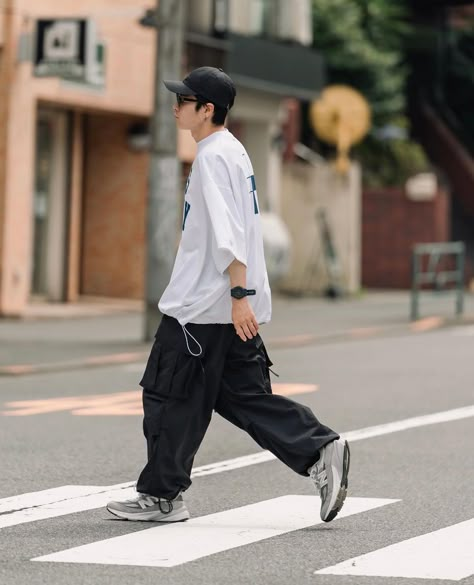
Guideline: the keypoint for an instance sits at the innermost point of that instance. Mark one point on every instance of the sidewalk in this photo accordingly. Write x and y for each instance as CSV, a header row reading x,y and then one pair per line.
x,y
94,332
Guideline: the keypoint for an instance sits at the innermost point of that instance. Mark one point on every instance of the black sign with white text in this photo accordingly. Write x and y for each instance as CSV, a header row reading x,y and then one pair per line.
x,y
60,48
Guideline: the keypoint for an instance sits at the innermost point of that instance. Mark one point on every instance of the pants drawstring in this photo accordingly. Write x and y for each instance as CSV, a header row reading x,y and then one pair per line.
x,y
186,333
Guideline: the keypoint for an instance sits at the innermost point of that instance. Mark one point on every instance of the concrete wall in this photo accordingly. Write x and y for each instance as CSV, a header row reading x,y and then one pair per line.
x,y
305,191
260,116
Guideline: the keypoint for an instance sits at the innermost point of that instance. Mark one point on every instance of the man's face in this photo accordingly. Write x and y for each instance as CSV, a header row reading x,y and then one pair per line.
x,y
185,113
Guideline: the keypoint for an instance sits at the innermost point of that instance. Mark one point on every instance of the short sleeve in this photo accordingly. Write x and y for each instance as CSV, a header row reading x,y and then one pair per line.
x,y
226,223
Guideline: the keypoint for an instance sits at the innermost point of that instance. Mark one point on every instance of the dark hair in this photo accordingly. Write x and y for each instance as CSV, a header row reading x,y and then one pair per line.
x,y
219,116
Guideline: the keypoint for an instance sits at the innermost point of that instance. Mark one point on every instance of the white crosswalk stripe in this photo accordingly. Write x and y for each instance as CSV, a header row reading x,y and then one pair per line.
x,y
70,499
67,500
443,554
174,544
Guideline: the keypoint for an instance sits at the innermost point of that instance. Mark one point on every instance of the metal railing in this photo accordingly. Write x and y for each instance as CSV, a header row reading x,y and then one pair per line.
x,y
434,275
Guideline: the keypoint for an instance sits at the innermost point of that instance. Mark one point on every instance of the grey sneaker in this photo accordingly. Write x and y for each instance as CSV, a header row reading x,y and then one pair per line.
x,y
150,509
329,475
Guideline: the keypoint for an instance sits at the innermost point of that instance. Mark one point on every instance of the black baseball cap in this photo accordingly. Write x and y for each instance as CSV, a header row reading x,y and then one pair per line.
x,y
208,84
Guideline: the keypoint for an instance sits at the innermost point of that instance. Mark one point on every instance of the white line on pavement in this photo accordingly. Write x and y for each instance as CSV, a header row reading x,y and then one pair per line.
x,y
69,499
174,544
51,496
442,554
410,423
67,505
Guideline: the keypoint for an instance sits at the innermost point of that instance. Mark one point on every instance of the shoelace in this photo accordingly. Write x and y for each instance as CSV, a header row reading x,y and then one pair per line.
x,y
146,501
319,476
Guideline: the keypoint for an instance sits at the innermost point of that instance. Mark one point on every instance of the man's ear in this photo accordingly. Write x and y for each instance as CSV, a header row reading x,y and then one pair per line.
x,y
210,108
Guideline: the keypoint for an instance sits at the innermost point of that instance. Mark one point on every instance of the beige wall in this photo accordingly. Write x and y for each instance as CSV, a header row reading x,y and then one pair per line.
x,y
305,190
16,191
4,105
260,115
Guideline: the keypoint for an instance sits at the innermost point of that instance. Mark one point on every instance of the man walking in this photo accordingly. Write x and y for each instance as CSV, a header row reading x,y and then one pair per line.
x,y
208,355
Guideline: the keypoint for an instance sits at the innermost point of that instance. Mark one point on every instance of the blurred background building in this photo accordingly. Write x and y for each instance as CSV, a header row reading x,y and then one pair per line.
x,y
74,135
73,177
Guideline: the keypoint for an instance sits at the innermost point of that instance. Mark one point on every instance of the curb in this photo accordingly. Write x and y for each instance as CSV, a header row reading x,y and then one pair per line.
x,y
294,341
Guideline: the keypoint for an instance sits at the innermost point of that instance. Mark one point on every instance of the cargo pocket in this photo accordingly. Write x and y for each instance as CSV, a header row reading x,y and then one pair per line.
x,y
187,373
169,374
151,370
265,364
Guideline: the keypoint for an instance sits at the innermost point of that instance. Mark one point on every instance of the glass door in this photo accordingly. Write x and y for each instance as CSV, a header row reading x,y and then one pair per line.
x,y
50,206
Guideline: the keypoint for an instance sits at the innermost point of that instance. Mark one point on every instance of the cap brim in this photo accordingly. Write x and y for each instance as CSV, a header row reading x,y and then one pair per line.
x,y
178,87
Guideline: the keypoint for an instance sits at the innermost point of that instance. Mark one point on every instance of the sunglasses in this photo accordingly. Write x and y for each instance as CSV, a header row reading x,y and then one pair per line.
x,y
181,99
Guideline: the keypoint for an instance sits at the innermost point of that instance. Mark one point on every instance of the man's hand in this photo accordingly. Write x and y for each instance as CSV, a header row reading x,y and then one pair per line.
x,y
244,320
243,317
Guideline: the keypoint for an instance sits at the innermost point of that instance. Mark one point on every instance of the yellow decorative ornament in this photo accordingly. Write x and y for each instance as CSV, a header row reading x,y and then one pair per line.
x,y
341,116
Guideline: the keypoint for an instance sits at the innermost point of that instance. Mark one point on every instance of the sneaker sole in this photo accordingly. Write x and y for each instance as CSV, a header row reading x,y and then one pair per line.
x,y
341,496
175,516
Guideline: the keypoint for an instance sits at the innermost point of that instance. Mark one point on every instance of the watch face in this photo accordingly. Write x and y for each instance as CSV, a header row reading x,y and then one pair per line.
x,y
238,292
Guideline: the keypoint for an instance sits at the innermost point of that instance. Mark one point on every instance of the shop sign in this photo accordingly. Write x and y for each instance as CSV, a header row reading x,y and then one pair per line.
x,y
68,48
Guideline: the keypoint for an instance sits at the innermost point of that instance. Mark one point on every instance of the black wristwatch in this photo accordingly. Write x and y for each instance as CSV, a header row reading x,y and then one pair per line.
x,y
239,292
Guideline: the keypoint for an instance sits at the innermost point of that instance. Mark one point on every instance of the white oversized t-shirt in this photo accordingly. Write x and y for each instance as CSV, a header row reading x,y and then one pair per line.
x,y
221,222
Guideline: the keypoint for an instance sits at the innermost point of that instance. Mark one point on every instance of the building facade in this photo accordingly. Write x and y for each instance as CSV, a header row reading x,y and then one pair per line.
x,y
73,168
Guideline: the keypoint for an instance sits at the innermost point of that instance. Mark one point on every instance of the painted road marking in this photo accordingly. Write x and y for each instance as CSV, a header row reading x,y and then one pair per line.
x,y
125,403
31,507
426,324
45,497
410,423
115,404
174,544
91,498
443,554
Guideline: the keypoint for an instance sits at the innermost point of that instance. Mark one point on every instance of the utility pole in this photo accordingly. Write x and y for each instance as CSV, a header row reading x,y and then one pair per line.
x,y
164,177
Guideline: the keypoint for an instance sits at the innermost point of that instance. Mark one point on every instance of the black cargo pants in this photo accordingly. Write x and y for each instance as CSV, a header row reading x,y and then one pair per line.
x,y
231,377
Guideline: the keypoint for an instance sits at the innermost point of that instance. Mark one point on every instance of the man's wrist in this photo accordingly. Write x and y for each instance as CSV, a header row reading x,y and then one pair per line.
x,y
239,292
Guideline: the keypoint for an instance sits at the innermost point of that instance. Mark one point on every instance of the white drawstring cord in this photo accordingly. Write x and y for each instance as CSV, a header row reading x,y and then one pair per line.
x,y
186,333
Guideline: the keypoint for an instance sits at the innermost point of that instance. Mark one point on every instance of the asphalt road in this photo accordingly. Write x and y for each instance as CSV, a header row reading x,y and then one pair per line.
x,y
47,441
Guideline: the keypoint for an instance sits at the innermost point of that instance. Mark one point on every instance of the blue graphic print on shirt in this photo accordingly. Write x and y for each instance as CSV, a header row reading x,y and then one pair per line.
x,y
187,206
253,190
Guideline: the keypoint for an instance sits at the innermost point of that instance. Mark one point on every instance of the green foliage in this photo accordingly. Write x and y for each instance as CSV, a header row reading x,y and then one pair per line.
x,y
364,44
362,41
390,162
